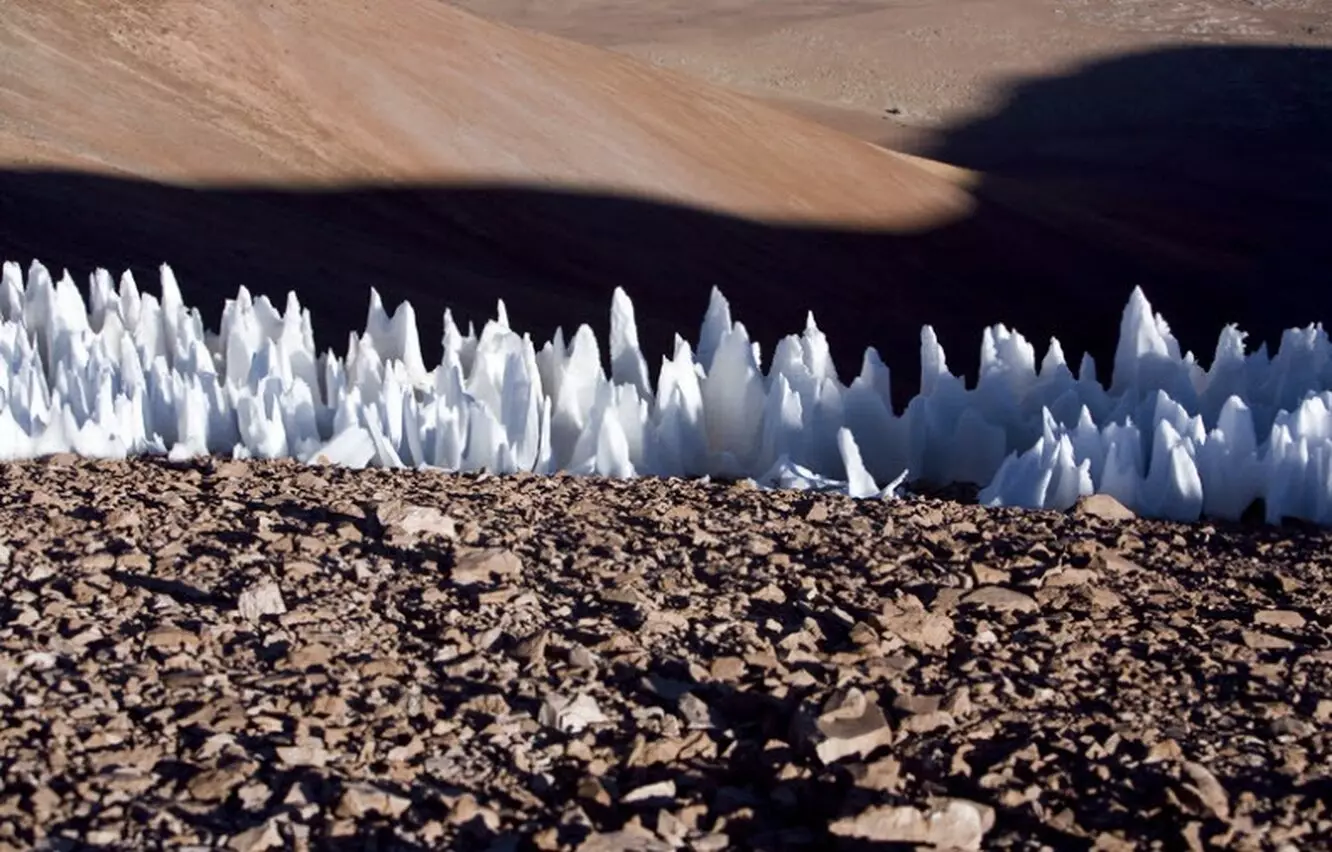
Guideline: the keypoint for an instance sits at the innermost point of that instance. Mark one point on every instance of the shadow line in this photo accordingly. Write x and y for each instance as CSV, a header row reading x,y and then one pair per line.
x,y
1201,174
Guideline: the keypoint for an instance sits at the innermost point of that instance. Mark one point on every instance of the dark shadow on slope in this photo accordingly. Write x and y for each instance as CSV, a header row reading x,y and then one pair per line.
x,y
1211,164
1199,174
553,256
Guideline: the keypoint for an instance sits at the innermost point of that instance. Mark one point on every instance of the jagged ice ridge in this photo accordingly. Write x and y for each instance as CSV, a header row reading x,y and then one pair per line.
x,y
128,373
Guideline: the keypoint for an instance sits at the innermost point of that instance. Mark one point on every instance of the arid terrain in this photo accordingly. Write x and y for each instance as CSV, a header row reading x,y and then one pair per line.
x,y
268,656
901,72
259,656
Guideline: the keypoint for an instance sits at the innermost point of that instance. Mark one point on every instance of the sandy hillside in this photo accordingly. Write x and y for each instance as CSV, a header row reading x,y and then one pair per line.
x,y
412,90
903,72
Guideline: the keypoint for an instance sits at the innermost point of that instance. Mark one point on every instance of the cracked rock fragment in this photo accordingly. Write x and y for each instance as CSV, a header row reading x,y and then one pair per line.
x,y
532,650
696,712
627,840
884,774
1000,599
850,723
482,565
215,785
1103,506
258,839
1260,641
921,630
359,799
260,599
406,520
953,824
662,790
1201,793
303,755
571,716
1279,618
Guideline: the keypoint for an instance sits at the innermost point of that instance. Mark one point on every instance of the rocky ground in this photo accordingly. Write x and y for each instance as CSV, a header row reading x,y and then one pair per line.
x,y
268,656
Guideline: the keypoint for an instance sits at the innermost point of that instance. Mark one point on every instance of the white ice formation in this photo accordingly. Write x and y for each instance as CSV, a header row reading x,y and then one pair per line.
x,y
127,373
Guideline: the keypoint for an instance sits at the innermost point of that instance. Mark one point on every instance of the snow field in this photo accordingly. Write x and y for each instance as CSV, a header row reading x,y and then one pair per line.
x,y
127,373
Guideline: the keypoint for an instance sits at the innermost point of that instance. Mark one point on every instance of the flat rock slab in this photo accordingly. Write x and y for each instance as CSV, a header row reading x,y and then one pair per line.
x,y
250,657
1000,599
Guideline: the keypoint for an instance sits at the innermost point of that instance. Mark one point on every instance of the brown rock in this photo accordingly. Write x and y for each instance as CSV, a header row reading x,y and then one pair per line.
x,y
382,666
231,470
570,715
1103,506
1065,576
850,723
884,775
581,658
360,799
472,566
1104,599
727,669
923,631
958,703
1202,793
215,785
466,809
626,840
696,712
171,639
986,575
257,839
1000,599
917,703
408,520
1116,562
1279,618
953,824
533,649
260,599
1291,726
254,795
591,789
310,754
923,723
308,656
1260,641
1164,750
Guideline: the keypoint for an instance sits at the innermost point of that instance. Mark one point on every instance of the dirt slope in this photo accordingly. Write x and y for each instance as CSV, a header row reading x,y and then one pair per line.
x,y
412,90
901,72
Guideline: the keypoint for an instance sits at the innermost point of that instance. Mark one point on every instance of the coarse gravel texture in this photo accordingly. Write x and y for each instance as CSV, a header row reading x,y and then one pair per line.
x,y
263,655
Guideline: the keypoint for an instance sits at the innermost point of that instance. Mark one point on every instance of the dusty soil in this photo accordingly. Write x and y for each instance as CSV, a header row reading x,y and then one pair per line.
x,y
267,656
415,92
903,73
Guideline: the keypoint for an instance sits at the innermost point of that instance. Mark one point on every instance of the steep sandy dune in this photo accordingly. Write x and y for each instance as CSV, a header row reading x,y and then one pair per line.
x,y
412,90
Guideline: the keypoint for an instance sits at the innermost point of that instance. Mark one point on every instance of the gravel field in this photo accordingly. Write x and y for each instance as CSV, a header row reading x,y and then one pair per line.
x,y
263,655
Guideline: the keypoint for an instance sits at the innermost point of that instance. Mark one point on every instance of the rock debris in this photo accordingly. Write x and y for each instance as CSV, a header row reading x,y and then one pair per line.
x,y
257,656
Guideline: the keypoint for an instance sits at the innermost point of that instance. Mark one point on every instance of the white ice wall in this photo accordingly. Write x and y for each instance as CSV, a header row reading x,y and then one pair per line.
x,y
127,373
